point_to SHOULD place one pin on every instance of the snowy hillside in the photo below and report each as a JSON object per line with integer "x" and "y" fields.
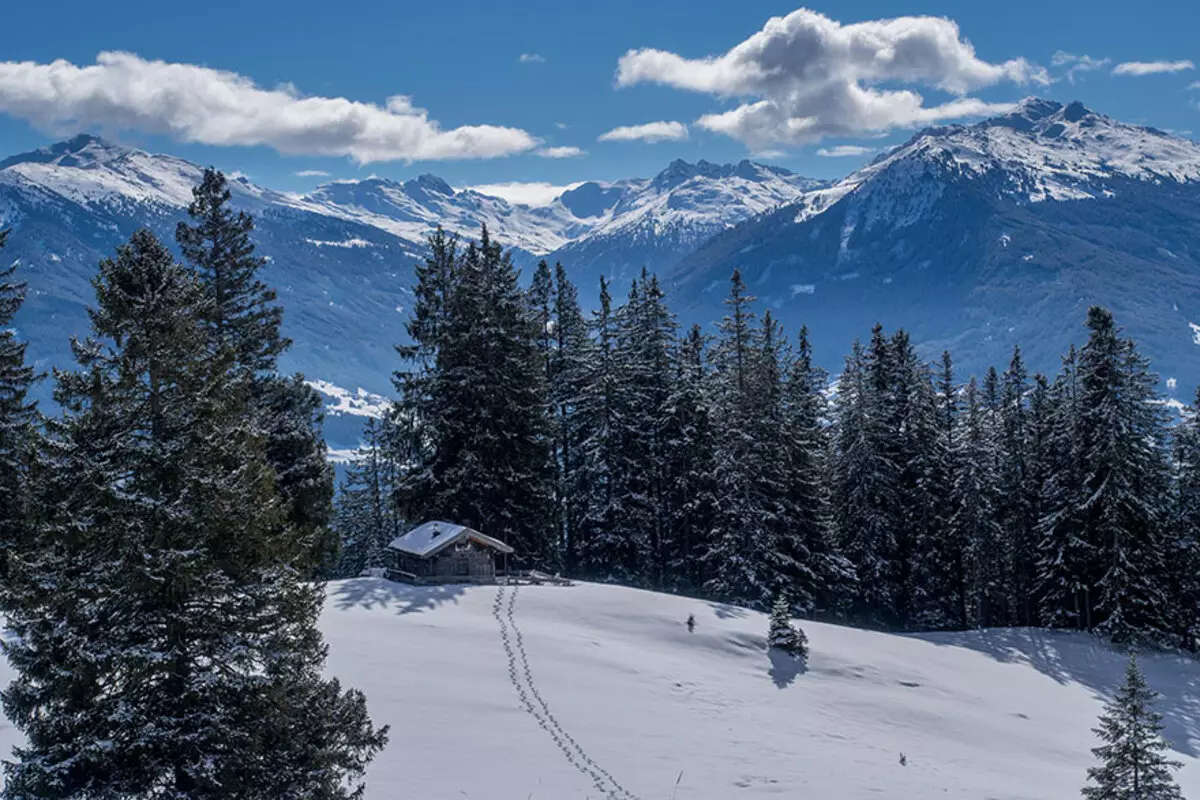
{"x": 613, "y": 698}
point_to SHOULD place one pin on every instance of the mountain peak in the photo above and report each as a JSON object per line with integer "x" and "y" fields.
{"x": 81, "y": 150}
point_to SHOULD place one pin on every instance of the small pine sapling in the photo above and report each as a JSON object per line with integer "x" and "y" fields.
{"x": 783, "y": 634}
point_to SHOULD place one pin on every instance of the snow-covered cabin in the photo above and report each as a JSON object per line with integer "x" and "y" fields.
{"x": 444, "y": 552}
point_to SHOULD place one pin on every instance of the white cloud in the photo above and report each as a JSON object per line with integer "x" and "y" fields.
{"x": 661, "y": 131}
{"x": 537, "y": 193}
{"x": 561, "y": 152}
{"x": 531, "y": 58}
{"x": 845, "y": 150}
{"x": 562, "y": 126}
{"x": 1195, "y": 85}
{"x": 1152, "y": 67}
{"x": 123, "y": 91}
{"x": 312, "y": 173}
{"x": 1078, "y": 64}
{"x": 812, "y": 77}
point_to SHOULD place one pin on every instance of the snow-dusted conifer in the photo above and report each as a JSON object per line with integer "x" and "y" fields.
{"x": 783, "y": 635}
{"x": 1133, "y": 762}
{"x": 173, "y": 650}
{"x": 240, "y": 314}
{"x": 16, "y": 420}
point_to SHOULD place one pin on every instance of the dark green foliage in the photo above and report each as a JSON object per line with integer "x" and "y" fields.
{"x": 367, "y": 519}
{"x": 240, "y": 315}
{"x": 17, "y": 419}
{"x": 166, "y": 639}
{"x": 475, "y": 404}
{"x": 1133, "y": 762}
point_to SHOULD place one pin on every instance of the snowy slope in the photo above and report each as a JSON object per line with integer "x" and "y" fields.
{"x": 624, "y": 694}
{"x": 624, "y": 691}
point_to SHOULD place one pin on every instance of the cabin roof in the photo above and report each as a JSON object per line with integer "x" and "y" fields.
{"x": 430, "y": 538}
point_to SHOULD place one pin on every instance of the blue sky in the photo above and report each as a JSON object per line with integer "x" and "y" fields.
{"x": 461, "y": 62}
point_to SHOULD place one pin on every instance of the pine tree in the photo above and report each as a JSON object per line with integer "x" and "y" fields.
{"x": 825, "y": 577}
{"x": 746, "y": 562}
{"x": 167, "y": 643}
{"x": 597, "y": 414}
{"x": 1123, "y": 433}
{"x": 974, "y": 524}
{"x": 573, "y": 362}
{"x": 944, "y": 558}
{"x": 482, "y": 410}
{"x": 1064, "y": 552}
{"x": 864, "y": 481}
{"x": 17, "y": 418}
{"x": 783, "y": 635}
{"x": 1133, "y": 764}
{"x": 241, "y": 314}
{"x": 1016, "y": 493}
{"x": 690, "y": 467}
{"x": 1185, "y": 552}
{"x": 913, "y": 432}
{"x": 366, "y": 518}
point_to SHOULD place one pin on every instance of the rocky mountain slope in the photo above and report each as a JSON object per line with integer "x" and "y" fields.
{"x": 983, "y": 236}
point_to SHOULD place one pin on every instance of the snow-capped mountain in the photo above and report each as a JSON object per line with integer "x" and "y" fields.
{"x": 656, "y": 222}
{"x": 69, "y": 205}
{"x": 341, "y": 256}
{"x": 979, "y": 237}
{"x": 414, "y": 208}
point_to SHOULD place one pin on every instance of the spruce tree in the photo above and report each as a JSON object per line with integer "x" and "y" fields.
{"x": 690, "y": 466}
{"x": 597, "y": 414}
{"x": 826, "y": 576}
{"x": 1123, "y": 433}
{"x": 864, "y": 481}
{"x": 366, "y": 518}
{"x": 974, "y": 524}
{"x": 1184, "y": 555}
{"x": 240, "y": 314}
{"x": 1016, "y": 492}
{"x": 573, "y": 363}
{"x": 17, "y": 418}
{"x": 747, "y": 563}
{"x": 167, "y": 642}
{"x": 944, "y": 558}
{"x": 481, "y": 412}
{"x": 1064, "y": 552}
{"x": 782, "y": 634}
{"x": 1133, "y": 764}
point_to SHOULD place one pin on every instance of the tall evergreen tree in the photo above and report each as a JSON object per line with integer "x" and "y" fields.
{"x": 974, "y": 523}
{"x": 366, "y": 517}
{"x": 573, "y": 363}
{"x": 1133, "y": 764}
{"x": 1064, "y": 551}
{"x": 826, "y": 576}
{"x": 690, "y": 467}
{"x": 745, "y": 562}
{"x": 1017, "y": 492}
{"x": 864, "y": 475}
{"x": 16, "y": 420}
{"x": 1122, "y": 435}
{"x": 1184, "y": 555}
{"x": 482, "y": 408}
{"x": 241, "y": 314}
{"x": 166, "y": 642}
{"x": 944, "y": 559}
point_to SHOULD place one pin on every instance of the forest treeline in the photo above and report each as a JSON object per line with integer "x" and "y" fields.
{"x": 613, "y": 446}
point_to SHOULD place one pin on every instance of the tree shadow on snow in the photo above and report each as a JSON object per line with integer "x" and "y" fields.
{"x": 1069, "y": 657}
{"x": 785, "y": 668}
{"x": 381, "y": 593}
{"x": 723, "y": 611}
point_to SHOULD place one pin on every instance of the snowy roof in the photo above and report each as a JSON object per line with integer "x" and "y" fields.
{"x": 429, "y": 538}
